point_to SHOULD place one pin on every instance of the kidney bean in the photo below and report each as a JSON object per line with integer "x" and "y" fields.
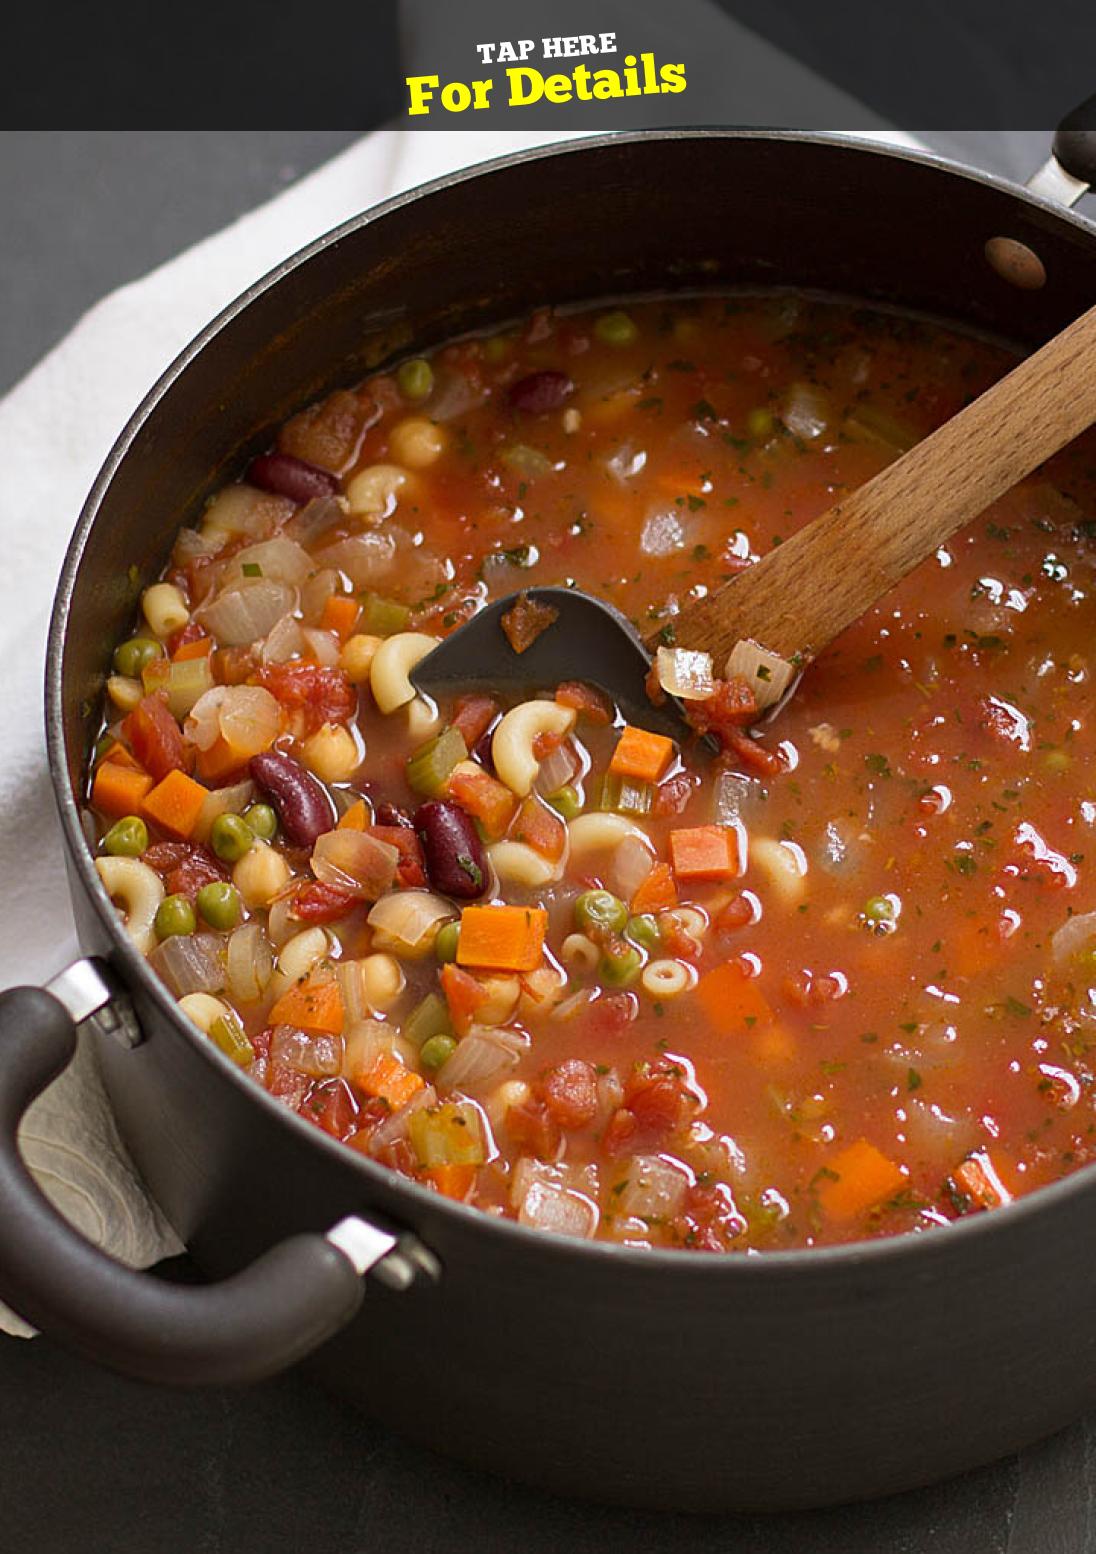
{"x": 287, "y": 476}
{"x": 539, "y": 392}
{"x": 303, "y": 807}
{"x": 455, "y": 861}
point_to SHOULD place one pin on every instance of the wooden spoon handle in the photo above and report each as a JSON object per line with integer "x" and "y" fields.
{"x": 807, "y": 590}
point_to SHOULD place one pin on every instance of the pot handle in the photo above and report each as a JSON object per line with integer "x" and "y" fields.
{"x": 1075, "y": 143}
{"x": 287, "y": 1303}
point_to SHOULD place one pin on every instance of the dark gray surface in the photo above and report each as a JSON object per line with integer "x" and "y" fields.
{"x": 92, "y": 1463}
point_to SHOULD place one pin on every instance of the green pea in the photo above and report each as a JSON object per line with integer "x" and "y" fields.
{"x": 127, "y": 838}
{"x": 620, "y": 964}
{"x": 416, "y": 379}
{"x": 760, "y": 423}
{"x": 878, "y": 909}
{"x": 436, "y": 1051}
{"x": 174, "y": 915}
{"x": 496, "y": 349}
{"x": 445, "y": 944}
{"x": 644, "y": 931}
{"x": 262, "y": 821}
{"x": 600, "y": 909}
{"x": 231, "y": 837}
{"x": 616, "y": 328}
{"x": 1057, "y": 760}
{"x": 132, "y": 656}
{"x": 219, "y": 904}
{"x": 566, "y": 801}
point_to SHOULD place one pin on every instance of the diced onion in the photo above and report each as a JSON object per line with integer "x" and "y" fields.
{"x": 247, "y": 716}
{"x": 365, "y": 558}
{"x": 249, "y": 963}
{"x": 279, "y": 560}
{"x": 247, "y": 611}
{"x": 655, "y": 1187}
{"x": 767, "y": 674}
{"x": 324, "y": 646}
{"x": 556, "y": 770}
{"x": 546, "y": 1206}
{"x": 406, "y": 921}
{"x": 189, "y": 963}
{"x": 394, "y": 1128}
{"x": 662, "y": 533}
{"x": 482, "y": 1058}
{"x": 315, "y": 518}
{"x": 729, "y": 794}
{"x": 356, "y": 860}
{"x": 631, "y": 863}
{"x": 319, "y": 1056}
{"x": 315, "y": 592}
{"x": 807, "y": 411}
{"x": 284, "y": 642}
{"x": 242, "y": 509}
{"x": 681, "y": 672}
{"x": 1075, "y": 934}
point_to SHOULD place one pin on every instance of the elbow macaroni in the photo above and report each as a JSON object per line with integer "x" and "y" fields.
{"x": 373, "y": 492}
{"x": 390, "y": 671}
{"x": 165, "y": 609}
{"x": 514, "y": 738}
{"x": 139, "y": 891}
{"x": 516, "y": 863}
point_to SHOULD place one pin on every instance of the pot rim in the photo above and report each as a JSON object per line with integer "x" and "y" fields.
{"x": 893, "y": 1251}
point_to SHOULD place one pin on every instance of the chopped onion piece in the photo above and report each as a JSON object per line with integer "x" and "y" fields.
{"x": 631, "y": 863}
{"x": 662, "y": 533}
{"x": 684, "y": 673}
{"x": 767, "y": 674}
{"x": 249, "y": 963}
{"x": 284, "y": 642}
{"x": 189, "y": 963}
{"x": 247, "y": 716}
{"x": 249, "y": 610}
{"x": 729, "y": 796}
{"x": 807, "y": 411}
{"x": 655, "y": 1187}
{"x": 406, "y": 921}
{"x": 319, "y": 1056}
{"x": 356, "y": 860}
{"x": 315, "y": 518}
{"x": 556, "y": 770}
{"x": 323, "y": 646}
{"x": 528, "y": 1172}
{"x": 315, "y": 592}
{"x": 548, "y": 1206}
{"x": 485, "y": 1055}
{"x": 365, "y": 558}
{"x": 1075, "y": 934}
{"x": 278, "y": 561}
{"x": 394, "y": 1128}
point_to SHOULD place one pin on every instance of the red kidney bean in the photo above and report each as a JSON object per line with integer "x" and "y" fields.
{"x": 302, "y": 803}
{"x": 540, "y": 392}
{"x": 455, "y": 861}
{"x": 287, "y": 476}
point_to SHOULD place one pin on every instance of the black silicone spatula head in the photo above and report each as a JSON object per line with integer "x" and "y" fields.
{"x": 589, "y": 640}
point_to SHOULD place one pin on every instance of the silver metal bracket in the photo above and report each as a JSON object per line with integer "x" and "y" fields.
{"x": 1052, "y": 182}
{"x": 397, "y": 1260}
{"x": 89, "y": 994}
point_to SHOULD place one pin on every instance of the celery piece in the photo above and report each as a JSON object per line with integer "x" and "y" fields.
{"x": 430, "y": 1018}
{"x": 625, "y": 795}
{"x": 187, "y": 681}
{"x": 228, "y": 1034}
{"x": 450, "y": 1134}
{"x": 382, "y": 617}
{"x": 431, "y": 765}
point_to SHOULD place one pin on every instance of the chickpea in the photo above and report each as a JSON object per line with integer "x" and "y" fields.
{"x": 417, "y": 442}
{"x": 382, "y": 981}
{"x": 356, "y": 658}
{"x": 332, "y": 753}
{"x": 260, "y": 874}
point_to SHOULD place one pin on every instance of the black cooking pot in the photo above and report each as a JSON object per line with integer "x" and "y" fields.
{"x": 650, "y": 1378}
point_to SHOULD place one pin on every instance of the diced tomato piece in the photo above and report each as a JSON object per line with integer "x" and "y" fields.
{"x": 569, "y": 1091}
{"x": 232, "y": 666}
{"x": 319, "y": 902}
{"x": 540, "y": 828}
{"x": 184, "y": 867}
{"x": 672, "y": 796}
{"x": 592, "y": 705}
{"x": 533, "y": 1128}
{"x": 472, "y": 716}
{"x": 709, "y": 1220}
{"x": 738, "y": 913}
{"x": 411, "y": 868}
{"x": 287, "y": 1084}
{"x": 731, "y": 705}
{"x": 804, "y": 988}
{"x": 750, "y": 753}
{"x": 323, "y": 695}
{"x": 622, "y": 1133}
{"x": 611, "y": 1014}
{"x": 464, "y": 995}
{"x": 155, "y": 738}
{"x": 485, "y": 799}
{"x": 659, "y": 1097}
{"x": 545, "y": 742}
{"x": 332, "y": 1107}
{"x": 191, "y": 632}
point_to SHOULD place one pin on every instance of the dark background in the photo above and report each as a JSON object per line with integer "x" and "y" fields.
{"x": 94, "y": 1464}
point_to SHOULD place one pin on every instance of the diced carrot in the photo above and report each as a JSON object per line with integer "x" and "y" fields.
{"x": 732, "y": 999}
{"x": 541, "y": 829}
{"x": 311, "y": 1005}
{"x": 856, "y": 1179}
{"x": 221, "y": 760}
{"x": 641, "y": 754}
{"x": 504, "y": 938}
{"x": 197, "y": 647}
{"x": 340, "y": 615}
{"x": 591, "y": 704}
{"x": 463, "y": 994}
{"x": 774, "y": 1044}
{"x": 386, "y": 1078}
{"x": 118, "y": 755}
{"x": 119, "y": 790}
{"x": 486, "y": 800}
{"x": 658, "y": 892}
{"x": 175, "y": 804}
{"x": 452, "y": 1181}
{"x": 977, "y": 1184}
{"x": 705, "y": 853}
{"x": 356, "y": 817}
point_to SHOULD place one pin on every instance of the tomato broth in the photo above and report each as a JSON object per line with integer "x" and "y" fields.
{"x": 836, "y": 983}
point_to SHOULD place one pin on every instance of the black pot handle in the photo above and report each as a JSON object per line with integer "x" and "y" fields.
{"x": 272, "y": 1314}
{"x": 1075, "y": 143}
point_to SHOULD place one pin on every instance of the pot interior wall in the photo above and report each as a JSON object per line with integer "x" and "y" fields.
{"x": 680, "y": 211}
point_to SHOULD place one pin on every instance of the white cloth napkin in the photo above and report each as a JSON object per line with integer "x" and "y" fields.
{"x": 56, "y": 428}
